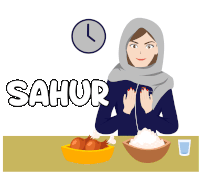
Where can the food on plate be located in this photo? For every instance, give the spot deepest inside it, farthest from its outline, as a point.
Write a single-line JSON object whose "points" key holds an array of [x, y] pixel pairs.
{"points": [[112, 140], [79, 143], [146, 139], [95, 135], [93, 144], [88, 144], [104, 144]]}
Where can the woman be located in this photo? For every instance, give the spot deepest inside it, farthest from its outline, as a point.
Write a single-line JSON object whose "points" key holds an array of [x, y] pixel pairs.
{"points": [[138, 89]]}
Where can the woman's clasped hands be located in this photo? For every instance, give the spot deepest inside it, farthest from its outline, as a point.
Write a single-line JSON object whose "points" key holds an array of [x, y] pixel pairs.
{"points": [[146, 100], [130, 99]]}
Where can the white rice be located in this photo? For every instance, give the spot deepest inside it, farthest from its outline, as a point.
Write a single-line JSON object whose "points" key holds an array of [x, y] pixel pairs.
{"points": [[146, 139]]}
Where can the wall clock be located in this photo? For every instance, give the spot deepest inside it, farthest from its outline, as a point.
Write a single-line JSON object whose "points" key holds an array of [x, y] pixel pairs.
{"points": [[88, 36]]}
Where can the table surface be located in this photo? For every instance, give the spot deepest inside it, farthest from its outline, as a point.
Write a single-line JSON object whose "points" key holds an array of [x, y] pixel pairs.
{"points": [[43, 153]]}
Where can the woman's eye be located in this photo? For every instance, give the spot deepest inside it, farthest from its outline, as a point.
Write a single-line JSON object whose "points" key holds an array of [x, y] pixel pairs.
{"points": [[149, 46], [133, 45]]}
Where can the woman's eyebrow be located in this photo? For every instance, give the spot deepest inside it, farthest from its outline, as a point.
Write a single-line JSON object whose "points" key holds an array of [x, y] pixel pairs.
{"points": [[135, 42], [149, 42]]}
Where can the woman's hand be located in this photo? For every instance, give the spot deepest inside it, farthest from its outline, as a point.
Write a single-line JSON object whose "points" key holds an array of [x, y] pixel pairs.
{"points": [[146, 101], [129, 101]]}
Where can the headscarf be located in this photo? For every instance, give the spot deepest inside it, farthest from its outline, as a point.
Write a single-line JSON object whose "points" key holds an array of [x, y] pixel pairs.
{"points": [[152, 75]]}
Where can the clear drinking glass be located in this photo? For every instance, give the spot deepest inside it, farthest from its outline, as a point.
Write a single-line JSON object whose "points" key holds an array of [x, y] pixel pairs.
{"points": [[184, 147]]}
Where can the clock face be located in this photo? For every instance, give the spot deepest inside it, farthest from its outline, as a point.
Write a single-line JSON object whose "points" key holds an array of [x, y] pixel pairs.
{"points": [[88, 36]]}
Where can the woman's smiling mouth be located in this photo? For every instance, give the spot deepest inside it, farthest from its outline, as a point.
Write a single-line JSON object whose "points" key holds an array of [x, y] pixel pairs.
{"points": [[140, 59]]}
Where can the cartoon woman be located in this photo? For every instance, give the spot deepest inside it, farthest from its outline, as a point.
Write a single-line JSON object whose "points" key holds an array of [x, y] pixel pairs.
{"points": [[138, 89]]}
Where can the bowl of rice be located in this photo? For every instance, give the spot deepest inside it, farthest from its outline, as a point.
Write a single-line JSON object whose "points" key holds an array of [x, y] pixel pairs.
{"points": [[146, 146]]}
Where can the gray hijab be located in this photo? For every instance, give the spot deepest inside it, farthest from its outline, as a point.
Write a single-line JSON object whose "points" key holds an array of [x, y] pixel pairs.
{"points": [[151, 75]]}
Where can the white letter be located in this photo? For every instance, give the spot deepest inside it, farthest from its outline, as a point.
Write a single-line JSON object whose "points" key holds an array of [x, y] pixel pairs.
{"points": [[73, 94], [19, 98], [99, 97], [62, 94], [39, 85]]}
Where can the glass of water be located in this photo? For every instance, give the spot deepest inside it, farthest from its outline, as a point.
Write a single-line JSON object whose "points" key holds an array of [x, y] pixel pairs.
{"points": [[184, 147]]}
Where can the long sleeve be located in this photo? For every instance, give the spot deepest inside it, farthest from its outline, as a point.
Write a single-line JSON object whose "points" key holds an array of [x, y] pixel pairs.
{"points": [[106, 124], [167, 124]]}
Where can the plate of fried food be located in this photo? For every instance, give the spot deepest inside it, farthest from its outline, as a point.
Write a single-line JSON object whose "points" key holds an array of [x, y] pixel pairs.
{"points": [[87, 151]]}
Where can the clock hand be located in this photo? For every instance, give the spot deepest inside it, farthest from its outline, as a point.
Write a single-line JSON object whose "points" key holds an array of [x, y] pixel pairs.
{"points": [[91, 38], [88, 30]]}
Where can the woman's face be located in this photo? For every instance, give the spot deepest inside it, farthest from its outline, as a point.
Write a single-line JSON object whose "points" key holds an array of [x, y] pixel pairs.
{"points": [[142, 50]]}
